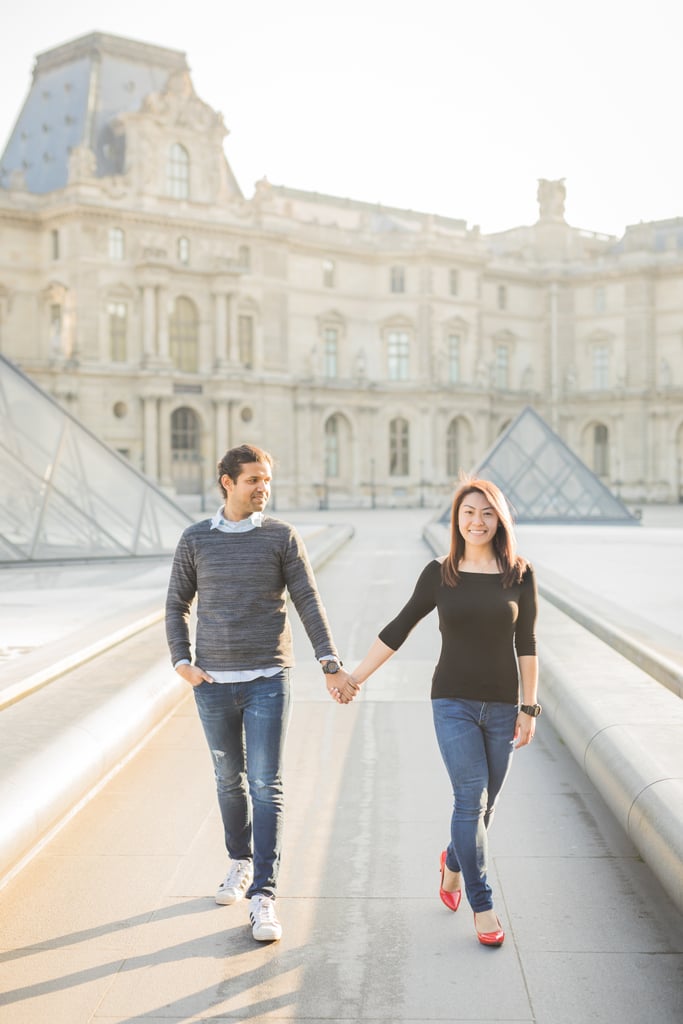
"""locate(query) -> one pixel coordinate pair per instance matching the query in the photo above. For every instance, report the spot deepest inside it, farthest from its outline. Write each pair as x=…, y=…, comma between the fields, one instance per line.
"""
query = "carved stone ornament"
x=551, y=196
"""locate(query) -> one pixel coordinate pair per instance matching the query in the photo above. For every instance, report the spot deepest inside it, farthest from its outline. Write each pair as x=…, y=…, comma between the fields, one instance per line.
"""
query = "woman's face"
x=477, y=519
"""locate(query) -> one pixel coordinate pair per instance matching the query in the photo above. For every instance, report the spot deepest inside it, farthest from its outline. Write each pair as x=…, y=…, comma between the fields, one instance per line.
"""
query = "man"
x=240, y=565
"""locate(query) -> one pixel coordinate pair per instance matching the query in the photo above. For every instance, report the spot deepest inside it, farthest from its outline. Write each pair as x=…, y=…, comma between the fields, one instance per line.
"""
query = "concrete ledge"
x=623, y=727
x=39, y=794
x=98, y=729
x=657, y=665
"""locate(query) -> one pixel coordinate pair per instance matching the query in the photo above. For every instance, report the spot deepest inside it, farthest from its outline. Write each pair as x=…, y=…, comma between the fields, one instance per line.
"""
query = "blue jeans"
x=476, y=743
x=245, y=725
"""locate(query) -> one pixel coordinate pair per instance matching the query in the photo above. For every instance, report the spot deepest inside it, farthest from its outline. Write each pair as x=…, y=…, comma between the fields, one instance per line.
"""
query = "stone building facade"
x=374, y=350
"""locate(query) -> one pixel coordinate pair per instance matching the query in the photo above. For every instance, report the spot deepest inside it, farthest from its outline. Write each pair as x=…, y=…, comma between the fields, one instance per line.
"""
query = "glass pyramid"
x=65, y=494
x=544, y=481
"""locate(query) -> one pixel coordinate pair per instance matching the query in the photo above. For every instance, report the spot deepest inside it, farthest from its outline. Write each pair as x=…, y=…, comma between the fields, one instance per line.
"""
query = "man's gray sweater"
x=241, y=581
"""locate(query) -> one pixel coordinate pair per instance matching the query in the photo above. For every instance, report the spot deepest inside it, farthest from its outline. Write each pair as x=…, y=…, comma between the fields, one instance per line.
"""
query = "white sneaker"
x=236, y=882
x=265, y=926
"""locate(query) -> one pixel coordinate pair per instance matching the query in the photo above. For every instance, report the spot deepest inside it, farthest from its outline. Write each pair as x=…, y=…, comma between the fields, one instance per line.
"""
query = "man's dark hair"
x=233, y=460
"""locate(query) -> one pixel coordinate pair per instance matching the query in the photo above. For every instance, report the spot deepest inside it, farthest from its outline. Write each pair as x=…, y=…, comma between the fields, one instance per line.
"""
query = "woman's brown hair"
x=511, y=564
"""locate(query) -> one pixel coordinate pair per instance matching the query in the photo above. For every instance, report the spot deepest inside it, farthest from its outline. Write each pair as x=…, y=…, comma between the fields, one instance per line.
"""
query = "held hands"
x=342, y=687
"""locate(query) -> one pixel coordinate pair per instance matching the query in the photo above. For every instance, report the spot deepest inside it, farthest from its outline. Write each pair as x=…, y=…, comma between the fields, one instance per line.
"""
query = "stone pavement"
x=114, y=920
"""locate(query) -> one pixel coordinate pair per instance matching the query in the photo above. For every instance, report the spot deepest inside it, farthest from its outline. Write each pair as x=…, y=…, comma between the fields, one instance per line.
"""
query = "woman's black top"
x=482, y=627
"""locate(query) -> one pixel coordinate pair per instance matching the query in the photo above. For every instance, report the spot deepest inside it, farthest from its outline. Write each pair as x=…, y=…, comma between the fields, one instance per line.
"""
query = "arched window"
x=398, y=355
x=117, y=313
x=453, y=460
x=328, y=273
x=502, y=376
x=397, y=279
x=601, y=450
x=184, y=336
x=184, y=250
x=185, y=451
x=399, y=441
x=245, y=337
x=330, y=351
x=184, y=430
x=453, y=358
x=116, y=244
x=332, y=447
x=178, y=172
x=600, y=367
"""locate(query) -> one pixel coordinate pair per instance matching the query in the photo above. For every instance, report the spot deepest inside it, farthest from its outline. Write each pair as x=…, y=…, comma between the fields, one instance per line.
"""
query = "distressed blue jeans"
x=476, y=743
x=245, y=725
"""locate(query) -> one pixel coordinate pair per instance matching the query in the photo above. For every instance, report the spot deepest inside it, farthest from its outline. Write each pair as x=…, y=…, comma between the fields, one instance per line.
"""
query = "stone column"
x=220, y=327
x=150, y=441
x=162, y=324
x=148, y=321
x=221, y=430
x=164, y=442
x=234, y=349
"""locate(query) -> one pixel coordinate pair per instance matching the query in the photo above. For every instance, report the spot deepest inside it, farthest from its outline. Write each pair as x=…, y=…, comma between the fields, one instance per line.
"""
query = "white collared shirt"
x=219, y=522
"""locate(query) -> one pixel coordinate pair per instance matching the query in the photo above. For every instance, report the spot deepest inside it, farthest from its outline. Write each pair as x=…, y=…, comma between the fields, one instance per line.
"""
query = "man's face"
x=250, y=492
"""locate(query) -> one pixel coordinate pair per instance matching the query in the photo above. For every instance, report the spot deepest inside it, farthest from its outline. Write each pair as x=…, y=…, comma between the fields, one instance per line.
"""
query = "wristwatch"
x=330, y=667
x=531, y=709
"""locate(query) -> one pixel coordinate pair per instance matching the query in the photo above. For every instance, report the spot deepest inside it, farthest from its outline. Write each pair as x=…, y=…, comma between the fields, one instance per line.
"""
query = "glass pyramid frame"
x=544, y=481
x=65, y=494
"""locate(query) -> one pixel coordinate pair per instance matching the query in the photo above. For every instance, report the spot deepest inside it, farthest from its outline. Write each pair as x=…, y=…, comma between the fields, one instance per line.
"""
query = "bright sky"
x=454, y=107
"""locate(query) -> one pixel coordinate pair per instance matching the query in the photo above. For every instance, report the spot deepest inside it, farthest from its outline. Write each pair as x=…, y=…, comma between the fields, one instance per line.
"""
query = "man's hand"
x=341, y=687
x=194, y=675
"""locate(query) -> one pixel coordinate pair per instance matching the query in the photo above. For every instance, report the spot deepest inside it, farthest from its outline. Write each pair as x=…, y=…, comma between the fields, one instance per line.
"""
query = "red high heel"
x=449, y=899
x=490, y=938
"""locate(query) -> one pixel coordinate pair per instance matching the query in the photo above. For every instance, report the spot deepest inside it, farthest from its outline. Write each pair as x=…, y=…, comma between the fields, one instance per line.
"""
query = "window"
x=601, y=367
x=502, y=297
x=328, y=274
x=330, y=351
x=186, y=458
x=398, y=352
x=116, y=244
x=453, y=354
x=453, y=281
x=244, y=257
x=245, y=338
x=117, y=313
x=54, y=244
x=600, y=450
x=600, y=299
x=397, y=279
x=178, y=172
x=399, y=436
x=184, y=251
x=502, y=373
x=332, y=447
x=453, y=460
x=184, y=336
x=184, y=431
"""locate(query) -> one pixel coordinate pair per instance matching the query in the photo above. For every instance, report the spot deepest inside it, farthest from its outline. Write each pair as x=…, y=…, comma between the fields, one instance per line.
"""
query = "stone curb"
x=622, y=726
x=37, y=798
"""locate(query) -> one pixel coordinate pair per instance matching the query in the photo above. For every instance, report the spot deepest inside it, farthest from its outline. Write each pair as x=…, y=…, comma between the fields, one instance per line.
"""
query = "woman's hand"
x=342, y=687
x=525, y=727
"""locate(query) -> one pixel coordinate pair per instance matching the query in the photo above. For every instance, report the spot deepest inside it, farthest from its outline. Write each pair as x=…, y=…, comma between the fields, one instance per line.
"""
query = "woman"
x=485, y=596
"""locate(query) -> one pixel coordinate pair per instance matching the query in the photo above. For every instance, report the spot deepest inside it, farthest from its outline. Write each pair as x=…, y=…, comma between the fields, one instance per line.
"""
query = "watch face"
x=330, y=667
